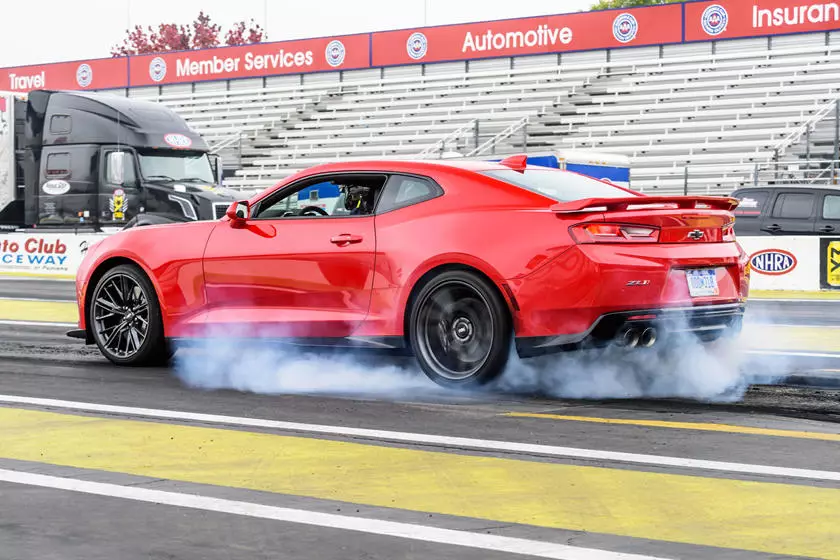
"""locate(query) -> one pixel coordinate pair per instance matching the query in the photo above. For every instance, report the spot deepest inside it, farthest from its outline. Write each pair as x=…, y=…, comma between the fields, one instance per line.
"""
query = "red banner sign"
x=705, y=21
x=654, y=25
x=251, y=61
x=536, y=35
x=102, y=73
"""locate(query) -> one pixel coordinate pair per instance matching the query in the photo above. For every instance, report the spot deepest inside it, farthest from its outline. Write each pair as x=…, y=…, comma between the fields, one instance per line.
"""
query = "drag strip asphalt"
x=101, y=462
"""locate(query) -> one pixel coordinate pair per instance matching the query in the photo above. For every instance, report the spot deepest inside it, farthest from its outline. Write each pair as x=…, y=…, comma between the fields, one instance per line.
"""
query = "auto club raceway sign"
x=55, y=255
x=607, y=29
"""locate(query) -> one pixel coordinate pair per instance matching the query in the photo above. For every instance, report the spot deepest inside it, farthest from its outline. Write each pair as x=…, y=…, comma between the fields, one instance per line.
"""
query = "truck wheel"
x=125, y=319
x=460, y=330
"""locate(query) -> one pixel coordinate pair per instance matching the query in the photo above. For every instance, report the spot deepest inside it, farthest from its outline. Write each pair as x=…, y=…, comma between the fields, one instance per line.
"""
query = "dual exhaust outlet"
x=643, y=337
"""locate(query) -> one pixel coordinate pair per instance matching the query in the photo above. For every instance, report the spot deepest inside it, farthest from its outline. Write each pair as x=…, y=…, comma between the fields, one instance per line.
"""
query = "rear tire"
x=125, y=318
x=460, y=330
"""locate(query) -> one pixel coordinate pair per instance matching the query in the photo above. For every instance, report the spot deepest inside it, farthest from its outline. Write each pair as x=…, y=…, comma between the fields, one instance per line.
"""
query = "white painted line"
x=38, y=324
x=428, y=439
x=15, y=278
x=411, y=531
x=797, y=354
x=39, y=300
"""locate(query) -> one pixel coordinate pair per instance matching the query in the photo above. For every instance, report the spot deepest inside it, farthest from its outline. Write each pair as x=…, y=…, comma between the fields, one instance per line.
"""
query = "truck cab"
x=99, y=160
x=787, y=210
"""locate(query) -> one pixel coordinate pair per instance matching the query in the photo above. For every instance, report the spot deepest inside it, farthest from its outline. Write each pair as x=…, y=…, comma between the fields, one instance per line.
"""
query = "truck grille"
x=219, y=209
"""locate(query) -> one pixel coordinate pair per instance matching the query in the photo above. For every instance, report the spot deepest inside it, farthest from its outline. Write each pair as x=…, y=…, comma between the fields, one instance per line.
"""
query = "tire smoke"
x=680, y=367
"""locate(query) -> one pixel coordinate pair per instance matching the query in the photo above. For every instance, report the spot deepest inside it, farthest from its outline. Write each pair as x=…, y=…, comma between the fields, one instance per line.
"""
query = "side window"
x=404, y=190
x=60, y=124
x=751, y=205
x=831, y=207
x=796, y=206
x=330, y=196
x=58, y=165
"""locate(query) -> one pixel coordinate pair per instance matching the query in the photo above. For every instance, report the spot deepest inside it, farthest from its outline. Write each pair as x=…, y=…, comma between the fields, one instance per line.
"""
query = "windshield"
x=562, y=186
x=176, y=166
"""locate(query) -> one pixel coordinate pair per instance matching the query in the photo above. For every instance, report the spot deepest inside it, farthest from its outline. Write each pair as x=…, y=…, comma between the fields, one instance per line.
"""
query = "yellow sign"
x=832, y=273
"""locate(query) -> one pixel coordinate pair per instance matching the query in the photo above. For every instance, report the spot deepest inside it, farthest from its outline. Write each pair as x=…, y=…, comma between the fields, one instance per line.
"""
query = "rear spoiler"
x=613, y=204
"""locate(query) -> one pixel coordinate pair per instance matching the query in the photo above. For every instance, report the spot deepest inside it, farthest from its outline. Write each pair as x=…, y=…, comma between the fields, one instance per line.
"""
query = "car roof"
x=803, y=186
x=404, y=165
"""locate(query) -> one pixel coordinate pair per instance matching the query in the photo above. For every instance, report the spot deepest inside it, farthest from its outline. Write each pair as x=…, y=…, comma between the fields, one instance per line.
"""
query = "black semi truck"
x=94, y=161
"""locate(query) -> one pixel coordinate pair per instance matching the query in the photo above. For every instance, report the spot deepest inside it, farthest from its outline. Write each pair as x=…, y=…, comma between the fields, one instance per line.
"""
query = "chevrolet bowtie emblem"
x=696, y=234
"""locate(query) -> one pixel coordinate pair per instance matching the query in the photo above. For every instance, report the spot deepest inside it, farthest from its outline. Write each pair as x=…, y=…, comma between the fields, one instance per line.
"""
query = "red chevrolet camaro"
x=450, y=262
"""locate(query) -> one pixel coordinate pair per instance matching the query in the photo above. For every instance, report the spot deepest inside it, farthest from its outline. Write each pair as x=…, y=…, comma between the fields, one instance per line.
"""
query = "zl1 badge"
x=118, y=205
x=830, y=261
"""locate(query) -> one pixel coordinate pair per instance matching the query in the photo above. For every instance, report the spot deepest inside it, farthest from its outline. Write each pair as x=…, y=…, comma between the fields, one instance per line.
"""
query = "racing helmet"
x=356, y=198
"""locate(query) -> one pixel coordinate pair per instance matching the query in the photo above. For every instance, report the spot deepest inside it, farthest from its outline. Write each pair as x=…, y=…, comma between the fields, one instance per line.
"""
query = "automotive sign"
x=774, y=262
x=533, y=35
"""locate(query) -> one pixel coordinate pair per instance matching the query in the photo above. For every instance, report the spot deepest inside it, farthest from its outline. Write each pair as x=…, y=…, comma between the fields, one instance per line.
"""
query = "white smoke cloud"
x=681, y=367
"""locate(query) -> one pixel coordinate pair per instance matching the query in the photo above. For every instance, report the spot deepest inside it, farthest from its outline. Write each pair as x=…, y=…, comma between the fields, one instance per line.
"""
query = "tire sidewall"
x=497, y=359
x=154, y=347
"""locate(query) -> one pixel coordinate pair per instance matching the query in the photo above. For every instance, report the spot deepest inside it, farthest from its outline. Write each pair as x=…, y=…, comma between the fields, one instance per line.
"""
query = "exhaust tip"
x=629, y=338
x=648, y=337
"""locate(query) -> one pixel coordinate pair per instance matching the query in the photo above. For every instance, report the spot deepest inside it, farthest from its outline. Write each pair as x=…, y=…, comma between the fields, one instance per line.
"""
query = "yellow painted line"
x=38, y=275
x=700, y=426
x=793, y=294
x=46, y=311
x=768, y=517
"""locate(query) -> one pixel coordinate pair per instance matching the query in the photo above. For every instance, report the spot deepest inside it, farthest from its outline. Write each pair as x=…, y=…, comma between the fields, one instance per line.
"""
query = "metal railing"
x=230, y=141
x=802, y=172
x=805, y=128
x=440, y=147
x=520, y=125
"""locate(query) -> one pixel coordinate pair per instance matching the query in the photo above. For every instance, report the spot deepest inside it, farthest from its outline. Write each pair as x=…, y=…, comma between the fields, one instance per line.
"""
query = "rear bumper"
x=704, y=321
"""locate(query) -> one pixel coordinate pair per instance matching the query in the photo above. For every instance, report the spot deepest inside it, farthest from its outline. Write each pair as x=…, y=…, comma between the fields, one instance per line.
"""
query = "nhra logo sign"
x=773, y=262
x=417, y=45
x=625, y=28
x=714, y=20
x=335, y=53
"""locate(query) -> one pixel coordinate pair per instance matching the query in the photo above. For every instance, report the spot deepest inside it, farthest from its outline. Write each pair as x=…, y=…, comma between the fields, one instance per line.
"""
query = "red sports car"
x=448, y=261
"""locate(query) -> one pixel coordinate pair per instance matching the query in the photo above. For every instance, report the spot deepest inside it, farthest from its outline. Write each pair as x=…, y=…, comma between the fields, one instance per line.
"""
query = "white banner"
x=776, y=263
x=56, y=255
x=783, y=262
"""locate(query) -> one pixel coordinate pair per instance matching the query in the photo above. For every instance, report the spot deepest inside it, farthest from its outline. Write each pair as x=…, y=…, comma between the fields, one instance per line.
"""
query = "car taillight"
x=614, y=233
x=729, y=232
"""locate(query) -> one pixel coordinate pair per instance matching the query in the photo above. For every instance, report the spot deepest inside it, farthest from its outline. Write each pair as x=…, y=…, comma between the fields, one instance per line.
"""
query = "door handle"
x=346, y=239
x=826, y=229
x=773, y=227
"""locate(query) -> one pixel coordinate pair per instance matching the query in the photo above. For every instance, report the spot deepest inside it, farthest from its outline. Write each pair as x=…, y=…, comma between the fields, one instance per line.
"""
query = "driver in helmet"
x=358, y=200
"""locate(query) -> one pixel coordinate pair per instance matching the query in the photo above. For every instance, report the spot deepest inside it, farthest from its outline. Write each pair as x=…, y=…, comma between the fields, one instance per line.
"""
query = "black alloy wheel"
x=460, y=330
x=124, y=317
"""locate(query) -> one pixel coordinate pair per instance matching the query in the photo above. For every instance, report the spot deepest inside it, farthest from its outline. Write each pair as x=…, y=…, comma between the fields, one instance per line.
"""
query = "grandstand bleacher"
x=701, y=116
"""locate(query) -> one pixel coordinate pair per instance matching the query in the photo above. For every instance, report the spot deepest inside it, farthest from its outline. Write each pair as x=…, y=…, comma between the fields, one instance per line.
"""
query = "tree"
x=201, y=34
x=607, y=4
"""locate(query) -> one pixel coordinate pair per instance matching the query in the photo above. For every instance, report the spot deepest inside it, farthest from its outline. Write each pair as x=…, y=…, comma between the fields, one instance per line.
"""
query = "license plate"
x=702, y=282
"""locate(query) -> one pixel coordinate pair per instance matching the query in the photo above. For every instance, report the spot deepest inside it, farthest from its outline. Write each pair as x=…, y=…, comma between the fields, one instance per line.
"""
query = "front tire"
x=125, y=318
x=460, y=330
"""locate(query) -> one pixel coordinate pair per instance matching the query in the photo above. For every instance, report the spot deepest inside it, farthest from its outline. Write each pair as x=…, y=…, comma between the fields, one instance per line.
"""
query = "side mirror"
x=116, y=166
x=239, y=212
x=216, y=166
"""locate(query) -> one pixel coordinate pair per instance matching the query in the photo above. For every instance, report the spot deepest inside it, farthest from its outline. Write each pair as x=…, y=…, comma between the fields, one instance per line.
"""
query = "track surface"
x=81, y=482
